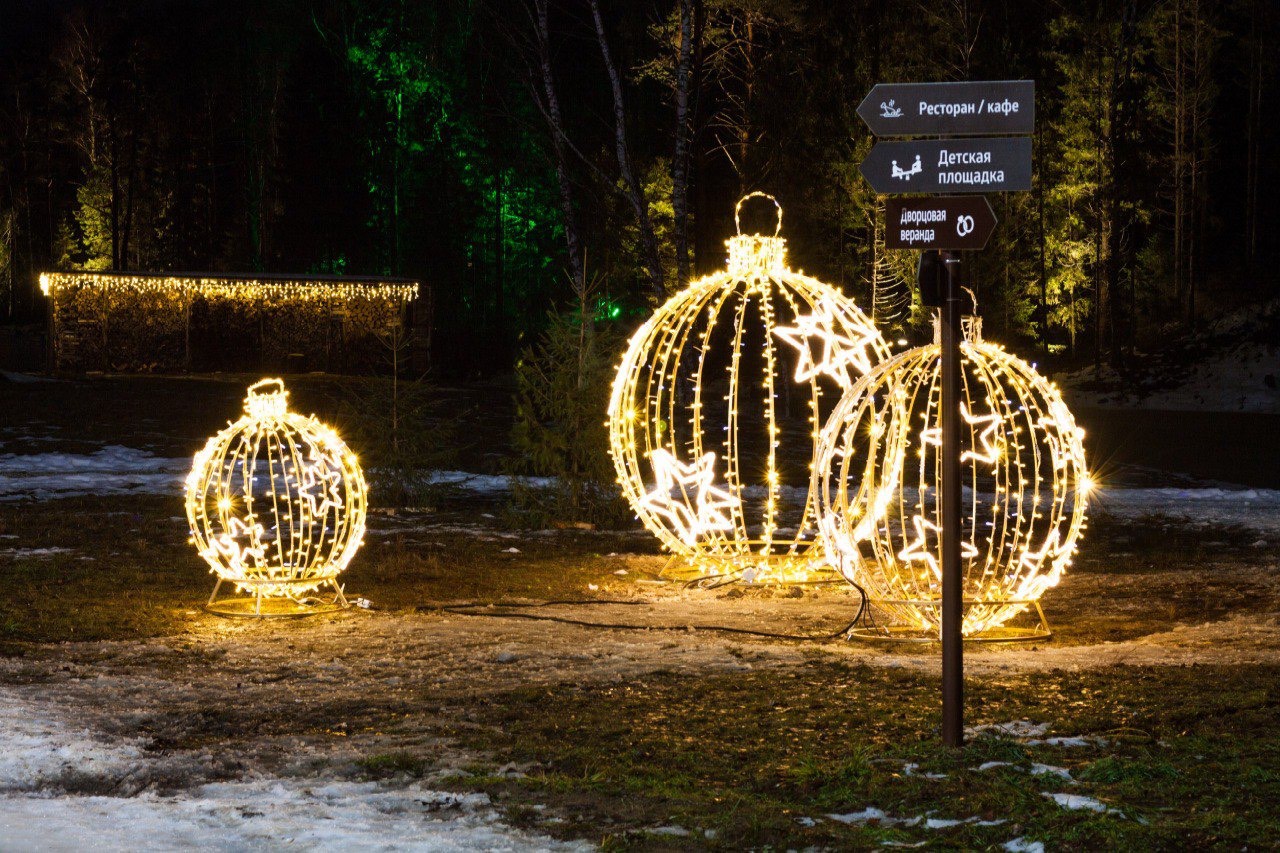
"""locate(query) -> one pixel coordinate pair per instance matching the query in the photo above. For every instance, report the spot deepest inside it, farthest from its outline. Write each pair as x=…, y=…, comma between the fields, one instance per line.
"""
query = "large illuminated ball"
x=277, y=506
x=1025, y=486
x=716, y=406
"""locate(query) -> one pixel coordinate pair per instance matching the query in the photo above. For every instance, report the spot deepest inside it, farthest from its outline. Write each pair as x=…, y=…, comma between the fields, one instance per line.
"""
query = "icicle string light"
x=878, y=481
x=227, y=287
x=276, y=503
x=696, y=416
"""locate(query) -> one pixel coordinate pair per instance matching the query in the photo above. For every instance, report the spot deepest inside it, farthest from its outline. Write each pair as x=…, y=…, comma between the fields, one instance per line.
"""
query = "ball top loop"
x=737, y=210
x=267, y=399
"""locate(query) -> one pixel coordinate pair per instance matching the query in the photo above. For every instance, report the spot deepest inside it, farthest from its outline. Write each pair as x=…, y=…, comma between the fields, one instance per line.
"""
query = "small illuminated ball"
x=276, y=501
x=878, y=483
x=716, y=405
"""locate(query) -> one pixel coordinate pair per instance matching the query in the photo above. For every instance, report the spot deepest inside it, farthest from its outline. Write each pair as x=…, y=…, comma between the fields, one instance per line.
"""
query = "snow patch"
x=1013, y=728
x=912, y=769
x=486, y=483
x=268, y=814
x=37, y=750
x=872, y=814
x=23, y=378
x=1068, y=741
x=1257, y=509
x=1228, y=366
x=1022, y=845
x=113, y=470
x=40, y=753
x=1079, y=801
x=19, y=553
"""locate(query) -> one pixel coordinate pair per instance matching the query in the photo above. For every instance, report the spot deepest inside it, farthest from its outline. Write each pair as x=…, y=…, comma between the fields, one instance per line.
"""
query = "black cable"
x=730, y=579
x=468, y=608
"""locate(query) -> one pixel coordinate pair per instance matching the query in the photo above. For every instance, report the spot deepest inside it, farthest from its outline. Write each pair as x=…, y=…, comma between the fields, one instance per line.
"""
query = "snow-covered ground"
x=123, y=470
x=113, y=470
x=1233, y=365
x=1231, y=381
x=116, y=470
x=1255, y=509
x=41, y=753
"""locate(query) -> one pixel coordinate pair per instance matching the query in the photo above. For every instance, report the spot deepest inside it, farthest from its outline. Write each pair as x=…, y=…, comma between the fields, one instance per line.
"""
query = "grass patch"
x=761, y=758
x=128, y=571
x=389, y=764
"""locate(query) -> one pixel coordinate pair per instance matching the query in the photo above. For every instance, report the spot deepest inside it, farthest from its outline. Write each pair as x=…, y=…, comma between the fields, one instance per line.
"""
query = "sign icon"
x=952, y=109
x=890, y=110
x=947, y=222
x=907, y=173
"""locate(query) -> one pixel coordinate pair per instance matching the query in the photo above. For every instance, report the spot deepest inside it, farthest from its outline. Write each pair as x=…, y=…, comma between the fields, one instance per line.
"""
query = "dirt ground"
x=661, y=724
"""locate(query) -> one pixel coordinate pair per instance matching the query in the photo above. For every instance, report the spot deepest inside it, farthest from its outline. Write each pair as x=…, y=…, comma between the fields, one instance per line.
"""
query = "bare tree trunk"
x=115, y=194
x=554, y=117
x=1042, y=238
x=1099, y=226
x=1197, y=151
x=131, y=175
x=634, y=191
x=680, y=163
x=1120, y=151
x=749, y=86
x=396, y=146
x=1179, y=159
x=1252, y=128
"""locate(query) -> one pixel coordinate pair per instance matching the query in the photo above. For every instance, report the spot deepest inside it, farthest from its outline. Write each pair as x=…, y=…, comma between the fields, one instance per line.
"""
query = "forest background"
x=524, y=157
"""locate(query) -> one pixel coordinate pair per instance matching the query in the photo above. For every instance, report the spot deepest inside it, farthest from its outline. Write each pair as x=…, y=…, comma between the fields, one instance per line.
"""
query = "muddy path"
x=226, y=698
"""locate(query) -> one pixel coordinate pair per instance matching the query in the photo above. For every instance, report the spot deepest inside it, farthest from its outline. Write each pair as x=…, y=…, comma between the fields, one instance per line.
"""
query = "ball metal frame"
x=878, y=481
x=277, y=505
x=695, y=434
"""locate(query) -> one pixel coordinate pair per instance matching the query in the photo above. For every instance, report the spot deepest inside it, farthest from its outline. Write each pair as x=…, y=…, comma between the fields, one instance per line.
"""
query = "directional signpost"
x=943, y=226
x=950, y=109
x=1001, y=164
x=955, y=222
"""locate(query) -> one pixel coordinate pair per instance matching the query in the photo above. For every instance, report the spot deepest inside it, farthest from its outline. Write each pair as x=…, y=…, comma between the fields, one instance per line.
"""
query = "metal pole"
x=952, y=590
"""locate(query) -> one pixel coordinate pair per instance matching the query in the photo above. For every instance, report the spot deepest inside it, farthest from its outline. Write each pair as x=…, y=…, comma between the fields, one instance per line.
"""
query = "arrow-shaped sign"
x=953, y=222
x=949, y=166
x=956, y=109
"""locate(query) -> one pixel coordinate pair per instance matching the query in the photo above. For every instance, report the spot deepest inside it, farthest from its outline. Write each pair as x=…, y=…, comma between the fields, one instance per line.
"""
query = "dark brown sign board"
x=949, y=222
x=1000, y=164
x=978, y=108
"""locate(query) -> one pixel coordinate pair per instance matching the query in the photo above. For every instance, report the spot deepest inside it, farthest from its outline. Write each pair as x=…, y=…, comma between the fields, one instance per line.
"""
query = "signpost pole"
x=958, y=163
x=952, y=591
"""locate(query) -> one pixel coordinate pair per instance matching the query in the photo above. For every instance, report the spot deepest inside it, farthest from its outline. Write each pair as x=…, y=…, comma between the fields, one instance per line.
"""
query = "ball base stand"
x=891, y=633
x=709, y=570
x=312, y=599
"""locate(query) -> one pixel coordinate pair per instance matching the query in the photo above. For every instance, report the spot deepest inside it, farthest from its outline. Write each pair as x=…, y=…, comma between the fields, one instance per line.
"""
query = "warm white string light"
x=229, y=287
x=697, y=413
x=108, y=319
x=276, y=503
x=878, y=481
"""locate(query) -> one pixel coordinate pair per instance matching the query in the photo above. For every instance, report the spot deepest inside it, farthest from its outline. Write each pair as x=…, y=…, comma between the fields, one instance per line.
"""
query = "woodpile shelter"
x=130, y=321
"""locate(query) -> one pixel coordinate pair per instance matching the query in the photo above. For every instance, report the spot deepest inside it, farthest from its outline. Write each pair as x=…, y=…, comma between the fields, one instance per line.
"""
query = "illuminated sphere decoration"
x=1025, y=486
x=277, y=504
x=716, y=406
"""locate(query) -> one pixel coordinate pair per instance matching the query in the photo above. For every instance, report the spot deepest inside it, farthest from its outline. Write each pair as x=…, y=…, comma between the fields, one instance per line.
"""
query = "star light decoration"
x=878, y=481
x=277, y=504
x=690, y=518
x=716, y=406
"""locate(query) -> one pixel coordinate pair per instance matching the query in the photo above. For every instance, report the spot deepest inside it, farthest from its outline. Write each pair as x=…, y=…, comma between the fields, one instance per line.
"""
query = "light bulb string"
x=737, y=211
